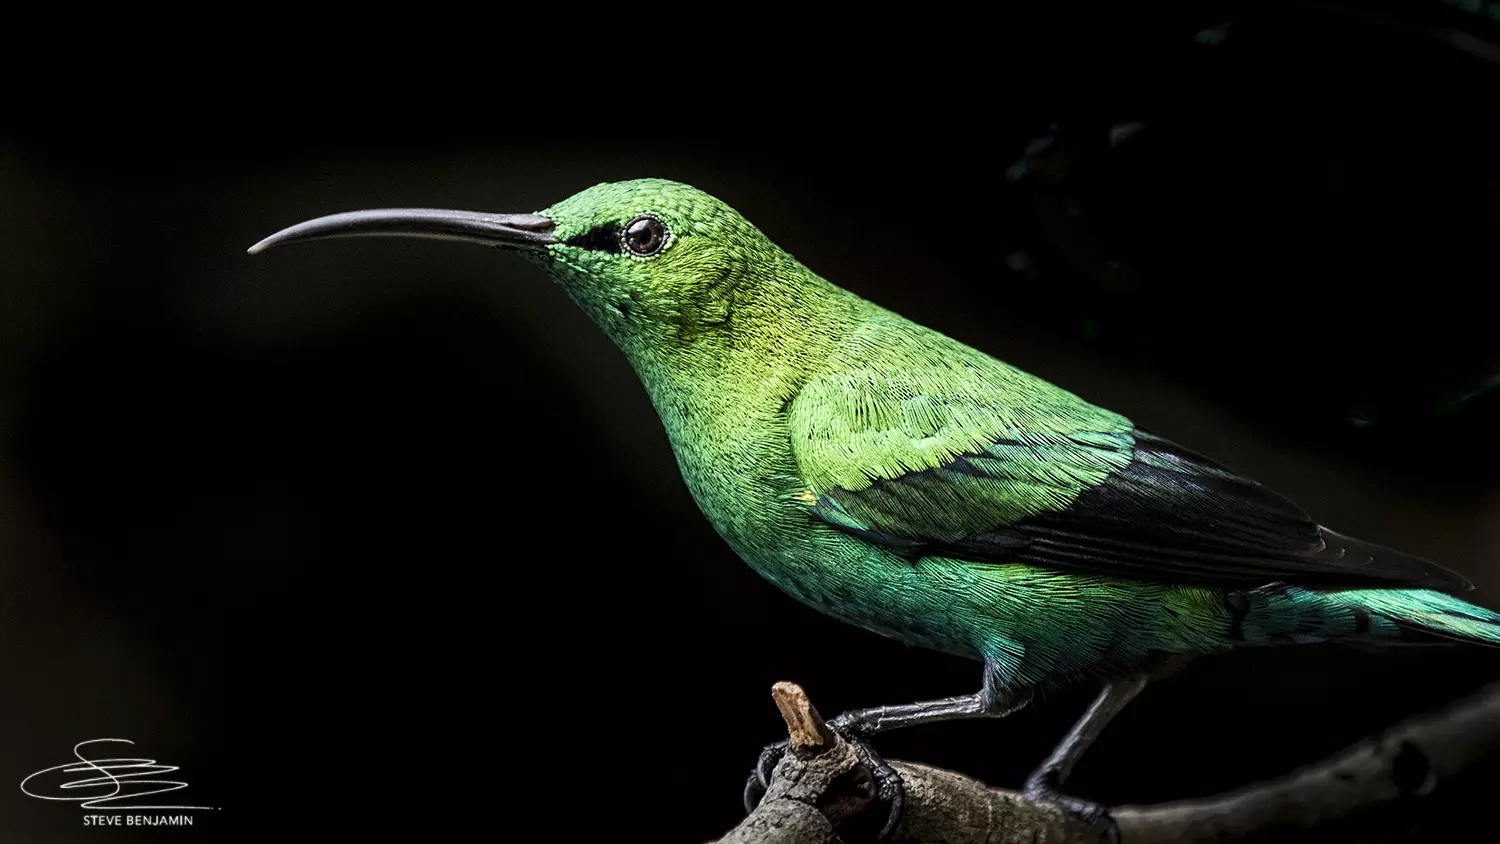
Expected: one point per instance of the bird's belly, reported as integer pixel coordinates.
(862, 585)
(1042, 626)
(753, 497)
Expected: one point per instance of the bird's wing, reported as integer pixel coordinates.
(1010, 469)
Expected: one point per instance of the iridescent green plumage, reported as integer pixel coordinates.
(904, 482)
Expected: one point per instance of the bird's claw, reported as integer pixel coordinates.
(888, 788)
(855, 726)
(1095, 815)
(760, 777)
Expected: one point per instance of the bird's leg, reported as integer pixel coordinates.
(856, 726)
(863, 723)
(1044, 782)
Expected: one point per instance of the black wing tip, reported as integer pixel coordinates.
(1452, 581)
(1397, 568)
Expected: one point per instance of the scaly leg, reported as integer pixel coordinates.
(1043, 784)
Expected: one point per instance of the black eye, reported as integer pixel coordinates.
(645, 236)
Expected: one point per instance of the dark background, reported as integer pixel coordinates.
(382, 536)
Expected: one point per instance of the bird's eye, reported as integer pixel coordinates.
(644, 236)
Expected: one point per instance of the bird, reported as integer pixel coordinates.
(902, 481)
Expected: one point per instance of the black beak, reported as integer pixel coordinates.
(514, 231)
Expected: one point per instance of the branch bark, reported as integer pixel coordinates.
(1425, 778)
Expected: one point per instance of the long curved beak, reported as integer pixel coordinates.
(513, 231)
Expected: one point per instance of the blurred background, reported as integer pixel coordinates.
(384, 537)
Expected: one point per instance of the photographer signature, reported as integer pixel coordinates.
(120, 778)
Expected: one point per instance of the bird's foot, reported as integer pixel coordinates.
(854, 730)
(760, 776)
(1095, 815)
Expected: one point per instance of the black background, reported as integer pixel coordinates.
(380, 536)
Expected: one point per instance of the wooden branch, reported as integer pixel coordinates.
(1424, 779)
(803, 723)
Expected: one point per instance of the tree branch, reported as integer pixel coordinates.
(1421, 779)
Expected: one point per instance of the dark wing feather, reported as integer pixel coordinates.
(1169, 515)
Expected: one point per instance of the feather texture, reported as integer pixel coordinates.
(903, 481)
(1167, 515)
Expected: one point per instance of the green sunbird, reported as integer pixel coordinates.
(902, 481)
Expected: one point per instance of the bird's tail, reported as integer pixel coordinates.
(1417, 615)
(1297, 614)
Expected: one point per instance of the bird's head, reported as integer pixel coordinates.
(657, 264)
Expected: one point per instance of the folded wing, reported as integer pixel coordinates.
(1086, 492)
